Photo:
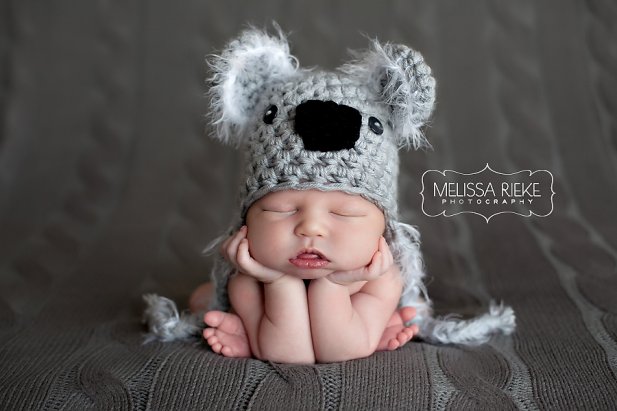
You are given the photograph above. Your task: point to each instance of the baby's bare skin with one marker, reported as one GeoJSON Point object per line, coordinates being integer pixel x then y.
{"type": "Point", "coordinates": [349, 310]}
{"type": "Point", "coordinates": [226, 335]}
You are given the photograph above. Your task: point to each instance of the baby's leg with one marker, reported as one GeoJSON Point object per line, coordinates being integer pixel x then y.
{"type": "Point", "coordinates": [226, 334]}
{"type": "Point", "coordinates": [275, 317]}
{"type": "Point", "coordinates": [396, 333]}
{"type": "Point", "coordinates": [348, 326]}
{"type": "Point", "coordinates": [247, 300]}
{"type": "Point", "coordinates": [281, 334]}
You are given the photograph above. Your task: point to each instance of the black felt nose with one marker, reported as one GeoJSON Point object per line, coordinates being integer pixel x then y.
{"type": "Point", "coordinates": [327, 126]}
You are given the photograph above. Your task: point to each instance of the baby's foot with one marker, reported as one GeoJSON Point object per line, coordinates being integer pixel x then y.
{"type": "Point", "coordinates": [396, 333]}
{"type": "Point", "coordinates": [226, 334]}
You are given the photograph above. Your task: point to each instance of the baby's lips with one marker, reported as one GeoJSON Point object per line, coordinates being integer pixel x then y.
{"type": "Point", "coordinates": [312, 261]}
{"type": "Point", "coordinates": [310, 256]}
{"type": "Point", "coordinates": [311, 253]}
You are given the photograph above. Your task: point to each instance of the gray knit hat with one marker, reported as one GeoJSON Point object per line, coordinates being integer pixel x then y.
{"type": "Point", "coordinates": [341, 130]}
{"type": "Point", "coordinates": [311, 129]}
{"type": "Point", "coordinates": [327, 130]}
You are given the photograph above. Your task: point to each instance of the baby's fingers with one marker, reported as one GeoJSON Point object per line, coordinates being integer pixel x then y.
{"type": "Point", "coordinates": [229, 248]}
{"type": "Point", "coordinates": [243, 257]}
{"type": "Point", "coordinates": [377, 265]}
{"type": "Point", "coordinates": [385, 249]}
{"type": "Point", "coordinates": [382, 260]}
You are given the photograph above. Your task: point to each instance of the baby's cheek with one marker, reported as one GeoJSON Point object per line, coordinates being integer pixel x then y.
{"type": "Point", "coordinates": [361, 248]}
{"type": "Point", "coordinates": [256, 248]}
{"type": "Point", "coordinates": [263, 249]}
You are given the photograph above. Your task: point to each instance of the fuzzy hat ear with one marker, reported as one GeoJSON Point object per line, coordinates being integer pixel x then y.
{"type": "Point", "coordinates": [401, 79]}
{"type": "Point", "coordinates": [240, 75]}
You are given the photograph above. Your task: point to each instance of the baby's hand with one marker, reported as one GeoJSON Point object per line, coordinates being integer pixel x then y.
{"type": "Point", "coordinates": [381, 262]}
{"type": "Point", "coordinates": [236, 250]}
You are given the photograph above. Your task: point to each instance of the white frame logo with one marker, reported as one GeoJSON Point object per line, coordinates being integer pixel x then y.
{"type": "Point", "coordinates": [507, 196]}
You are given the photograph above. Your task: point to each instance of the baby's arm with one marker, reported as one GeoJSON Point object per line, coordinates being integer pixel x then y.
{"type": "Point", "coordinates": [348, 326]}
{"type": "Point", "coordinates": [273, 307]}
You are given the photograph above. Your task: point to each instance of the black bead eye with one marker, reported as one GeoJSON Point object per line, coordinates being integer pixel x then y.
{"type": "Point", "coordinates": [270, 114]}
{"type": "Point", "coordinates": [375, 125]}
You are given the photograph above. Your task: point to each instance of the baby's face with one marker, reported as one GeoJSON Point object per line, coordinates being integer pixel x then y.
{"type": "Point", "coordinates": [311, 233]}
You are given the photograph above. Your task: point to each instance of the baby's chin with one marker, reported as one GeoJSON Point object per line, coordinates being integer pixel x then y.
{"type": "Point", "coordinates": [313, 274]}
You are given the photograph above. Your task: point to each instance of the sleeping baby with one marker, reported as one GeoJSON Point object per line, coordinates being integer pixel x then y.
{"type": "Point", "coordinates": [316, 266]}
{"type": "Point", "coordinates": [330, 240]}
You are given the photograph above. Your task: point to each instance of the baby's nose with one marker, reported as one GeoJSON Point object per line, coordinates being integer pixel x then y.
{"type": "Point", "coordinates": [311, 226]}
{"type": "Point", "coordinates": [327, 126]}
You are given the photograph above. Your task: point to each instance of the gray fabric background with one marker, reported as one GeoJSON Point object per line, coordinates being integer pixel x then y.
{"type": "Point", "coordinates": [109, 188]}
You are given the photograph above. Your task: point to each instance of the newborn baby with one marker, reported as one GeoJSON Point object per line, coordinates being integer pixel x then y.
{"type": "Point", "coordinates": [316, 261]}
{"type": "Point", "coordinates": [334, 240]}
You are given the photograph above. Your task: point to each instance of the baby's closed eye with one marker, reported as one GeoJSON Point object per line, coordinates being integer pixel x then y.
{"type": "Point", "coordinates": [348, 212]}
{"type": "Point", "coordinates": [278, 207]}
{"type": "Point", "coordinates": [280, 210]}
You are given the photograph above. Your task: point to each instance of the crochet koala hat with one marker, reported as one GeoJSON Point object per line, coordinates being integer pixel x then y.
{"type": "Point", "coordinates": [307, 129]}
{"type": "Point", "coordinates": [333, 130]}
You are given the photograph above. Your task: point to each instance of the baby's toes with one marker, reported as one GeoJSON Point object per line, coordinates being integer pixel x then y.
{"type": "Point", "coordinates": [393, 344]}
{"type": "Point", "coordinates": [407, 314]}
{"type": "Point", "coordinates": [411, 330]}
{"type": "Point", "coordinates": [216, 347]}
{"type": "Point", "coordinates": [228, 345]}
{"type": "Point", "coordinates": [405, 335]}
{"type": "Point", "coordinates": [214, 318]}
{"type": "Point", "coordinates": [409, 333]}
{"type": "Point", "coordinates": [208, 332]}
{"type": "Point", "coordinates": [214, 343]}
